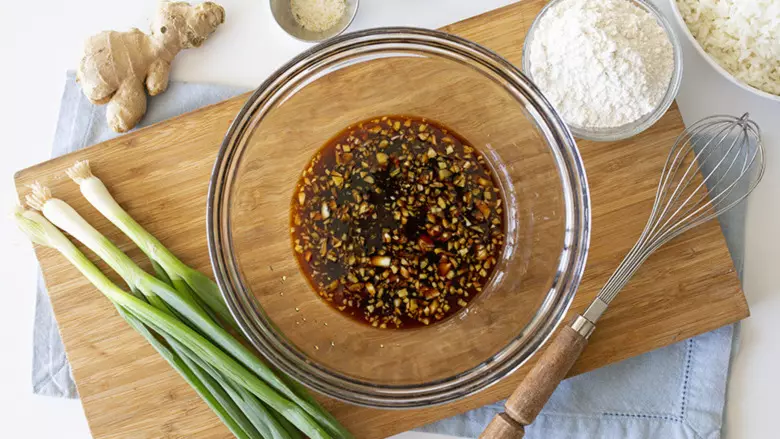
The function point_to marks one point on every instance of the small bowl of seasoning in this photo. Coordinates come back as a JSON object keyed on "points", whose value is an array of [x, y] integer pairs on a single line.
{"points": [[610, 67], [314, 20]]}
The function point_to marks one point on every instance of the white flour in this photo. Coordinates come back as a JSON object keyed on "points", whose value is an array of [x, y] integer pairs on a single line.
{"points": [[601, 63]]}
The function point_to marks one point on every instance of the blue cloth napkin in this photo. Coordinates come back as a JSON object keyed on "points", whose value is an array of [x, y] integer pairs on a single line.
{"points": [[674, 392]]}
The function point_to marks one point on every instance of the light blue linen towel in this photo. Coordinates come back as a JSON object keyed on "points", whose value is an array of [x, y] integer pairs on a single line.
{"points": [[677, 392]]}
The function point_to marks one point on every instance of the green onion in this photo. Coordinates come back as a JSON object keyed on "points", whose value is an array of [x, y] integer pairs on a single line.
{"points": [[43, 232], [185, 281], [253, 417], [184, 307], [225, 410], [97, 194], [64, 217], [244, 410]]}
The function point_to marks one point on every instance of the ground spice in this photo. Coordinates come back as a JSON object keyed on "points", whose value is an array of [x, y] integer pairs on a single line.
{"points": [[318, 15]]}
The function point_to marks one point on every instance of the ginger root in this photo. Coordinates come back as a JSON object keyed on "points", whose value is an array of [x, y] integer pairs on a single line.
{"points": [[117, 65]]}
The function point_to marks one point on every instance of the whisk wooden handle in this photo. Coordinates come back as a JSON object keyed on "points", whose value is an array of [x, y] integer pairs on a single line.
{"points": [[536, 388]]}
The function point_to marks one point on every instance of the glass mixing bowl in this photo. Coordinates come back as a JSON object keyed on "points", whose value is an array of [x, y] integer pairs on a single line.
{"points": [[398, 71]]}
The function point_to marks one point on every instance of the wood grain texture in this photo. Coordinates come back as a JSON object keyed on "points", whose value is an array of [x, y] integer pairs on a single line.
{"points": [[503, 427], [550, 369], [160, 175]]}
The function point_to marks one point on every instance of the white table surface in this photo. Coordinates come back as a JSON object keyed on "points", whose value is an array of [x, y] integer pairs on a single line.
{"points": [[40, 40]]}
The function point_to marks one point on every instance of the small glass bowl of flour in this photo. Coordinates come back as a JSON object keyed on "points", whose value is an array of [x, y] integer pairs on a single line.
{"points": [[610, 67]]}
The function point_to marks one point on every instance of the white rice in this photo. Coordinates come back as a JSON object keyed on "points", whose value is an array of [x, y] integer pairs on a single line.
{"points": [[743, 36]]}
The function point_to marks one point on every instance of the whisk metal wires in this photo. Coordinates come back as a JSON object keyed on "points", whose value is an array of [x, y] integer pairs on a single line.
{"points": [[714, 164]]}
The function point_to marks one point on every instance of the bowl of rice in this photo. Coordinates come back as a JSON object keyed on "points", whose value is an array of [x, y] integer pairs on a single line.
{"points": [[738, 38]]}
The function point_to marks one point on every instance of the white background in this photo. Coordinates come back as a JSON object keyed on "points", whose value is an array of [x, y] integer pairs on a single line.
{"points": [[40, 40]]}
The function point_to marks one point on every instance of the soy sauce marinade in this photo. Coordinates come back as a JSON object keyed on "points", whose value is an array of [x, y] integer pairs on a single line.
{"points": [[398, 222]]}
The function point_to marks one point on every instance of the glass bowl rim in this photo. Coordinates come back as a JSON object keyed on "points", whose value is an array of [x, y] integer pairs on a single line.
{"points": [[261, 333], [630, 129]]}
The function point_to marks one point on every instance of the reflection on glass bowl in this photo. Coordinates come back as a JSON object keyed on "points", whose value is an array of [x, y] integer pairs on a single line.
{"points": [[414, 72]]}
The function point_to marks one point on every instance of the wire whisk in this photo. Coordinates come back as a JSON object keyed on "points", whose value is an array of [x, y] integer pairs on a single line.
{"points": [[714, 164]]}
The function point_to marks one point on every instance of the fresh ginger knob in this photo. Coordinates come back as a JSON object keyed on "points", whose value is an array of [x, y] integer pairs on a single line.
{"points": [[119, 67]]}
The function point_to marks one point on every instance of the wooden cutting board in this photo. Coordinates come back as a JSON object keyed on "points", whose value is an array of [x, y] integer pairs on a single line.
{"points": [[160, 175]]}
